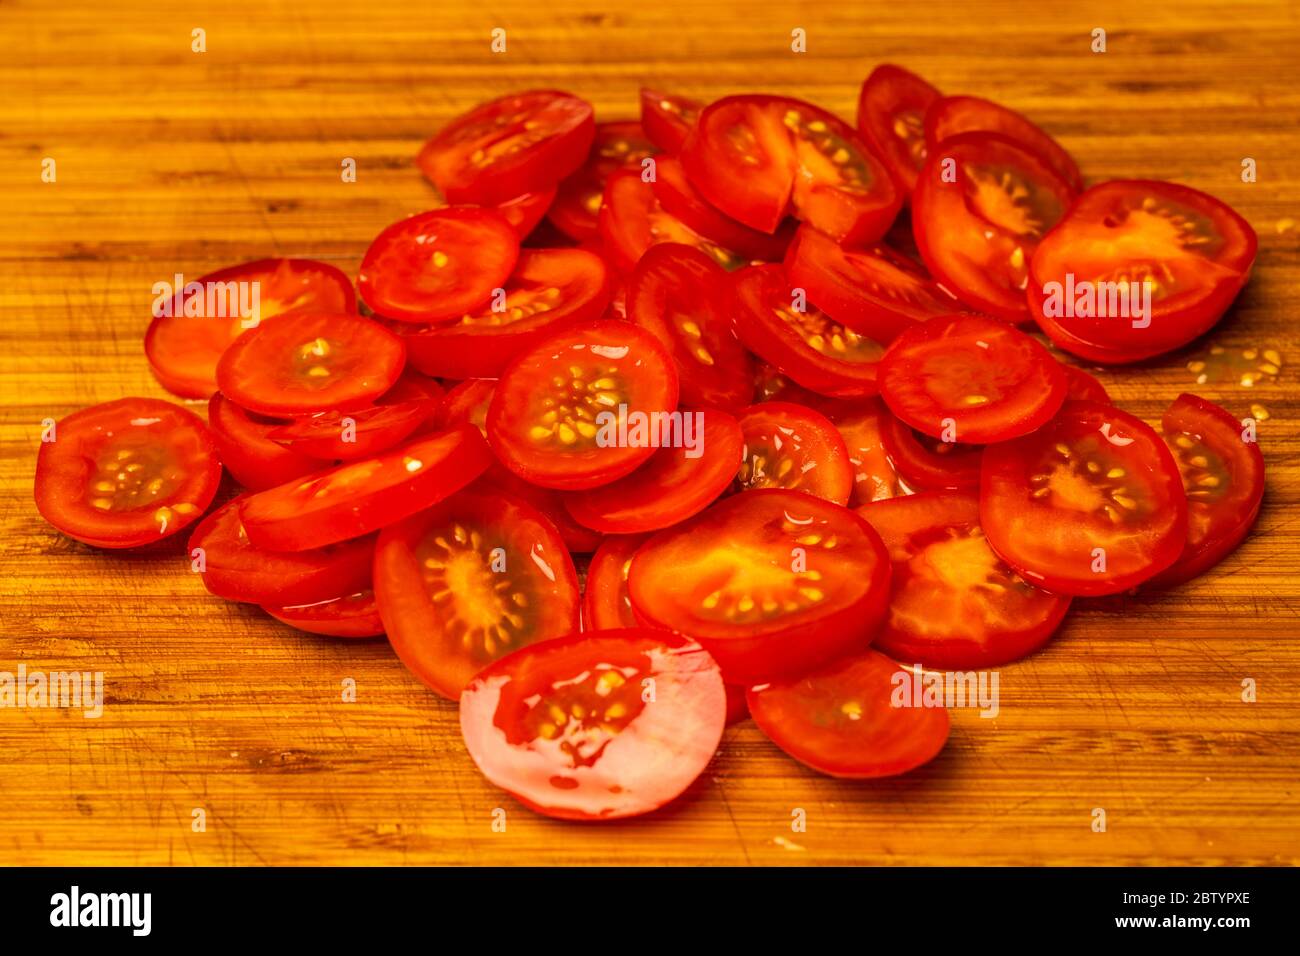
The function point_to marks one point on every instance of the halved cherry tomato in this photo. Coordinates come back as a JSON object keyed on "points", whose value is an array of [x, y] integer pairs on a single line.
{"points": [[982, 204], [1190, 252], [362, 496], [336, 435], [954, 603], [792, 446], [605, 603], [929, 463], [757, 157], [874, 291], [1091, 503], [126, 473], [519, 143], [969, 378], [583, 406], [1223, 476], [772, 582], [550, 288], [667, 118], [470, 580], [243, 444], [439, 265], [859, 423], [1082, 386], [674, 484], [680, 294], [306, 361], [236, 569], [683, 201], [356, 615], [526, 211], [617, 145], [598, 726], [184, 346], [841, 721], [632, 220], [891, 118], [808, 346]]}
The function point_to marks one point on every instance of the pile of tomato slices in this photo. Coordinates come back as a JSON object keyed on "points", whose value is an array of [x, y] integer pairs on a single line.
{"points": [[658, 426]]}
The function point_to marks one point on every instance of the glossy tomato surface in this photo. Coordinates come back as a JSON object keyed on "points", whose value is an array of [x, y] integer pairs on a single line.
{"points": [[891, 118], [680, 199], [354, 615], [632, 220], [794, 447], [953, 115], [667, 118], [244, 445], [577, 204], [860, 423], [930, 464], [342, 436], [605, 602]]}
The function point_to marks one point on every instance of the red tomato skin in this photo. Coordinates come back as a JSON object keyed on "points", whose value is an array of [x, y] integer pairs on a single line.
{"points": [[605, 604], [668, 126], [253, 459], [1083, 386], [375, 429], [354, 616], [927, 470], [802, 427], [684, 202], [526, 211], [886, 91], [632, 221], [737, 704]]}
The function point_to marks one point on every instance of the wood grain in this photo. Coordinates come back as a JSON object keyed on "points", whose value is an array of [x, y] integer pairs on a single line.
{"points": [[174, 161]]}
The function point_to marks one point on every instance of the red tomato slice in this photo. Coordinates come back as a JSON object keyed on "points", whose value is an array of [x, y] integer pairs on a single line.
{"points": [[982, 204], [1223, 476], [557, 412], [470, 580], [467, 402], [335, 435], [519, 143], [968, 378], [597, 726], [605, 603], [954, 115], [1084, 387], [1191, 252], [362, 496], [809, 346], [550, 289], [238, 570], [771, 386], [526, 211], [771, 582], [245, 448], [617, 146], [793, 447], [955, 605], [756, 157], [928, 463], [667, 118], [891, 118], [126, 473], [874, 291], [674, 484], [679, 294], [737, 705], [683, 201], [356, 615], [840, 720], [860, 424], [304, 362], [439, 265], [1091, 503], [186, 341]]}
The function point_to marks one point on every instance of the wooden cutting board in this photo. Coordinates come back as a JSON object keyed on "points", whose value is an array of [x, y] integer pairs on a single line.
{"points": [[174, 161]]}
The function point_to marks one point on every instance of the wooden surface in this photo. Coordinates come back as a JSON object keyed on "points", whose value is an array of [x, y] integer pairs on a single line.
{"points": [[172, 161]]}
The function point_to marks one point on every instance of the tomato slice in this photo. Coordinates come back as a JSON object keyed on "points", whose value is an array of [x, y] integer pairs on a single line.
{"points": [[860, 424], [525, 212], [674, 484], [605, 603], [955, 605], [680, 295], [598, 726], [632, 220], [185, 342], [236, 569], [953, 115], [771, 386], [929, 463], [576, 208], [969, 378], [362, 496], [667, 118], [982, 204], [439, 265], [756, 157], [558, 413], [684, 202], [771, 582], [550, 288], [808, 346], [470, 580], [305, 361], [1081, 386], [874, 291], [841, 721], [518, 143], [791, 446], [1091, 503], [1223, 476], [467, 402], [126, 473], [1190, 251], [243, 443], [355, 615], [891, 118], [334, 435]]}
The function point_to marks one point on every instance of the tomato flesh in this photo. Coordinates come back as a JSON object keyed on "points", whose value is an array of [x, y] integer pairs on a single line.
{"points": [[243, 443], [577, 205], [891, 118], [632, 220], [1082, 386], [927, 463], [794, 447], [953, 115], [605, 602], [354, 615], [667, 118], [333, 436], [683, 201], [860, 424]]}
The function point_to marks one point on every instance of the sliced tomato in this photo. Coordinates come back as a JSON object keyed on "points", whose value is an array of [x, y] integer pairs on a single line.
{"points": [[954, 604], [335, 435], [518, 143], [526, 211], [685, 203], [928, 463], [243, 443], [361, 496], [891, 118], [667, 118], [771, 386], [470, 580], [598, 726], [1128, 240], [841, 720], [189, 334], [982, 204], [860, 424], [1084, 387], [953, 115], [617, 146], [680, 295], [557, 414], [676, 483], [605, 603], [791, 446], [467, 402], [737, 705], [1091, 503], [771, 581], [355, 615], [414, 387], [632, 220], [808, 346]]}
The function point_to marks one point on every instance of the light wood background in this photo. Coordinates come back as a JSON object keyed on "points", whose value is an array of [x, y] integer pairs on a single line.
{"points": [[172, 161]]}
